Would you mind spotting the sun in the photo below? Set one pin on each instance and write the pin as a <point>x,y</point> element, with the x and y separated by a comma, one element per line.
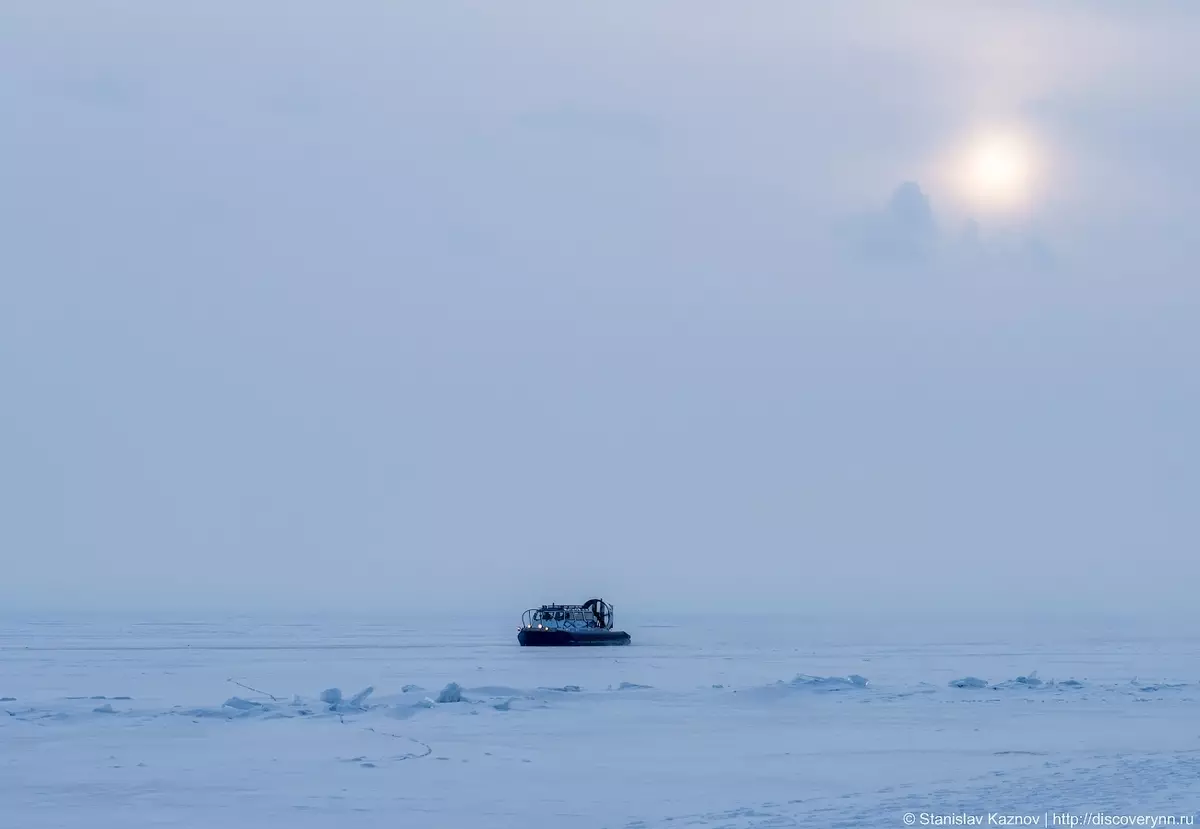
<point>997,171</point>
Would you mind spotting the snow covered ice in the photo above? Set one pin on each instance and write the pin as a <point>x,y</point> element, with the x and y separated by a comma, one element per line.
<point>713,722</point>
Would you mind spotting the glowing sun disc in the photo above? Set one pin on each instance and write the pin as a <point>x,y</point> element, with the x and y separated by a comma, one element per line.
<point>998,171</point>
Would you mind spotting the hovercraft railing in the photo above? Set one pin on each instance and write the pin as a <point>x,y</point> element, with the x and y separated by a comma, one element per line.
<point>595,615</point>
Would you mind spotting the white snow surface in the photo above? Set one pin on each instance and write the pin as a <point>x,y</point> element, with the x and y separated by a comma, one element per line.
<point>721,721</point>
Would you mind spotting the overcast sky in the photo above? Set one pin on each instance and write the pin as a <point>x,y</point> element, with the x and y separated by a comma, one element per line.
<point>679,303</point>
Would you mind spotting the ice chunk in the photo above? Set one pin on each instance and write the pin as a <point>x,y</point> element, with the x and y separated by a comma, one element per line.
<point>968,682</point>
<point>828,683</point>
<point>1161,686</point>
<point>106,708</point>
<point>1032,681</point>
<point>451,693</point>
<point>331,696</point>
<point>241,704</point>
<point>358,699</point>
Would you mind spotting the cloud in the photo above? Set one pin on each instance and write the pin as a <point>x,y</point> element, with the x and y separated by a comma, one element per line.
<point>574,123</point>
<point>100,91</point>
<point>1009,248</point>
<point>903,232</point>
<point>906,232</point>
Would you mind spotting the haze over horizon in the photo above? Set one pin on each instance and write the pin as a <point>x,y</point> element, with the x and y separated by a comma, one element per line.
<point>688,303</point>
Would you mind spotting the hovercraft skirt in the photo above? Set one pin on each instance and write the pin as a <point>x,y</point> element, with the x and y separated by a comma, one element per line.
<point>568,638</point>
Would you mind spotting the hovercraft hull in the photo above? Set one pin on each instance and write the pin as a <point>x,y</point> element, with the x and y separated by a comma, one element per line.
<point>529,637</point>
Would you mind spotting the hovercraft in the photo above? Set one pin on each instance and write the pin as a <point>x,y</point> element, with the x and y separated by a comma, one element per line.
<point>590,623</point>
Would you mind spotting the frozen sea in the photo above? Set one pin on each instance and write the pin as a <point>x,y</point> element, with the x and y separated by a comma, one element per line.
<point>442,721</point>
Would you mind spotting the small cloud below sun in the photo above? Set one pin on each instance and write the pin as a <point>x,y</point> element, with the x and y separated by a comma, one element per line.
<point>905,231</point>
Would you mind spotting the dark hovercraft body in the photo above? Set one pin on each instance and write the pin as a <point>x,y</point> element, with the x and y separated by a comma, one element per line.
<point>559,625</point>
